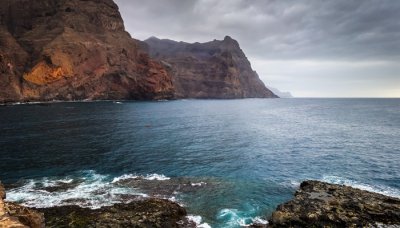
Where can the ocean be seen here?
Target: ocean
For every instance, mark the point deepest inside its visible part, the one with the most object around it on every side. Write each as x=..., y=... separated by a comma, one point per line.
x=228, y=162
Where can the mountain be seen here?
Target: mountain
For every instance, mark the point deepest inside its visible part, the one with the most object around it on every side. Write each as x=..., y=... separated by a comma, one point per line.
x=216, y=69
x=73, y=50
x=280, y=93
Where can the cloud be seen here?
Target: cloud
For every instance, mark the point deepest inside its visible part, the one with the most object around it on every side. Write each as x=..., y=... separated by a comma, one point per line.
x=340, y=31
x=305, y=29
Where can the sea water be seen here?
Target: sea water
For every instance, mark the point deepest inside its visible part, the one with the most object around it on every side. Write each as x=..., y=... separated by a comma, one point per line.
x=229, y=162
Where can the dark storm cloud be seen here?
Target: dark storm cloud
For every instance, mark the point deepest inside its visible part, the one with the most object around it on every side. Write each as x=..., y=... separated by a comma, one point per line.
x=305, y=29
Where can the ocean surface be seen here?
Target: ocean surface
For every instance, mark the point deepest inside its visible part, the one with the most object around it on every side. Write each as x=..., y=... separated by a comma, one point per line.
x=229, y=162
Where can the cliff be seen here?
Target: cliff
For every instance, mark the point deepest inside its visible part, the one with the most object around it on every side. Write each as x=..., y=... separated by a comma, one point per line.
x=73, y=50
x=319, y=204
x=216, y=69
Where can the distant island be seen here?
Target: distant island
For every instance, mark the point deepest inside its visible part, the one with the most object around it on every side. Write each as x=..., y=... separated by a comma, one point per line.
x=280, y=93
x=79, y=50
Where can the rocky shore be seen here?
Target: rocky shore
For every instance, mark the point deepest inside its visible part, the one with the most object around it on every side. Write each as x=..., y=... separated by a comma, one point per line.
x=143, y=213
x=319, y=204
x=150, y=212
x=316, y=204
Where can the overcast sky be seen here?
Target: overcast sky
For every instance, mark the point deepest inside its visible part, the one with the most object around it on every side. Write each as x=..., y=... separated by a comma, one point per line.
x=311, y=48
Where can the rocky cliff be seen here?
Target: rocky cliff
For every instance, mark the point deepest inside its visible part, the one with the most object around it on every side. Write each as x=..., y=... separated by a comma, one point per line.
x=73, y=50
x=216, y=69
x=319, y=204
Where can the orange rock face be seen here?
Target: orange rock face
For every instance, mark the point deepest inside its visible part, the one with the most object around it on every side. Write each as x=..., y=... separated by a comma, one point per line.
x=73, y=50
x=43, y=74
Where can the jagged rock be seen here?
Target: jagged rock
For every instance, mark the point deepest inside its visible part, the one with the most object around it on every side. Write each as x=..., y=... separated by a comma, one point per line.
x=144, y=213
x=216, y=69
x=319, y=204
x=16, y=216
x=73, y=50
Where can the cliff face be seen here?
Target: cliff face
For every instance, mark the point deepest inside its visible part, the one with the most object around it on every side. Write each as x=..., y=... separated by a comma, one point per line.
x=216, y=69
x=73, y=50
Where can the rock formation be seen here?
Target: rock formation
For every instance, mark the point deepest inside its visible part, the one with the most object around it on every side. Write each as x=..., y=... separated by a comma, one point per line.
x=73, y=50
x=146, y=213
x=138, y=213
x=318, y=204
x=216, y=69
x=16, y=216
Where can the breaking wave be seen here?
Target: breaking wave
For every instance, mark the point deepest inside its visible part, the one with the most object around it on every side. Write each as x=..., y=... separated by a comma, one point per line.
x=236, y=218
x=91, y=190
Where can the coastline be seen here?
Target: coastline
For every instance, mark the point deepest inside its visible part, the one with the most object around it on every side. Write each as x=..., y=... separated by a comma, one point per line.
x=315, y=204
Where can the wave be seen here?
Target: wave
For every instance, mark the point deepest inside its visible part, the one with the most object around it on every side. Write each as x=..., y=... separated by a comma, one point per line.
x=153, y=176
x=384, y=190
x=196, y=219
x=91, y=190
x=235, y=218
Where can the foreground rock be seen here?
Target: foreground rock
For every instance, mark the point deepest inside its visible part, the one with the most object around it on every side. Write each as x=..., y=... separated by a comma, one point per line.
x=319, y=204
x=14, y=215
x=73, y=50
x=216, y=69
x=144, y=213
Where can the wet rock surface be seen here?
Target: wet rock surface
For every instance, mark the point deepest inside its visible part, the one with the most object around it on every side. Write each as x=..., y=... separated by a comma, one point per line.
x=319, y=204
x=73, y=50
x=142, y=213
x=14, y=215
x=215, y=69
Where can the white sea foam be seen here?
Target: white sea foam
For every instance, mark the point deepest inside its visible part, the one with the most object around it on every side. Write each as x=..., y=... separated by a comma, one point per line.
x=235, y=218
x=258, y=220
x=153, y=176
x=198, y=184
x=198, y=221
x=124, y=177
x=384, y=190
x=92, y=191
x=156, y=177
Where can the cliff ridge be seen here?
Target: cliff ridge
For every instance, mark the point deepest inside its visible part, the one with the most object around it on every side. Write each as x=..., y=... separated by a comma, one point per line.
x=73, y=50
x=215, y=69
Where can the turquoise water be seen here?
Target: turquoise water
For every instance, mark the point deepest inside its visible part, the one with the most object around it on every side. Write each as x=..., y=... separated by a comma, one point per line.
x=229, y=161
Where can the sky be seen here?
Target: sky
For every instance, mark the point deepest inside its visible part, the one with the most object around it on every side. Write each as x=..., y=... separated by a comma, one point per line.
x=311, y=48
